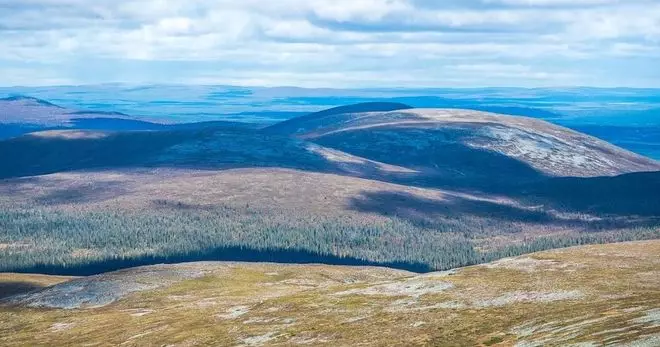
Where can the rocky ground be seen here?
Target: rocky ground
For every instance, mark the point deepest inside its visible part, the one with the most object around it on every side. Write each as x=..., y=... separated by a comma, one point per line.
x=585, y=296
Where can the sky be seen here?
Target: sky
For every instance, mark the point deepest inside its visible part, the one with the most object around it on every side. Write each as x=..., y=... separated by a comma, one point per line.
x=331, y=43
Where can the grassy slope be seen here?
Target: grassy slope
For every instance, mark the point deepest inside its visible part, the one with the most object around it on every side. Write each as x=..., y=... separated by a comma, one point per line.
x=593, y=294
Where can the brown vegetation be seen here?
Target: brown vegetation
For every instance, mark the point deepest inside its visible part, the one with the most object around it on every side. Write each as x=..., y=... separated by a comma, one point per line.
x=587, y=295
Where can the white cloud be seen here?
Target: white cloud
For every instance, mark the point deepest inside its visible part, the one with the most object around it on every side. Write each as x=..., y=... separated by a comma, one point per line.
x=350, y=10
x=294, y=40
x=553, y=2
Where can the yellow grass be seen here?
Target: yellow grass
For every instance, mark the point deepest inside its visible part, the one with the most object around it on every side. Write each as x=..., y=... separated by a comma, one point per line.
x=594, y=294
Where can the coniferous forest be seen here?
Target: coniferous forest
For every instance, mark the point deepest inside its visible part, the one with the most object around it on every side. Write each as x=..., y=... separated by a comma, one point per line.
x=86, y=242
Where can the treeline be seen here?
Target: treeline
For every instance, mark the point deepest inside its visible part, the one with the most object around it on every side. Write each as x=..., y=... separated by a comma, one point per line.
x=35, y=238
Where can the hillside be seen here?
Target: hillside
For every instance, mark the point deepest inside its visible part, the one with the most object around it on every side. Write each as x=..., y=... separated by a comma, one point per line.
x=32, y=111
x=334, y=193
x=21, y=115
x=209, y=147
x=557, y=298
x=470, y=147
x=62, y=223
x=24, y=109
x=328, y=116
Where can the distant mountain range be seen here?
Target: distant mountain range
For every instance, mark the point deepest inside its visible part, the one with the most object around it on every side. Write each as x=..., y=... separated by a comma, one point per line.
x=21, y=115
x=268, y=106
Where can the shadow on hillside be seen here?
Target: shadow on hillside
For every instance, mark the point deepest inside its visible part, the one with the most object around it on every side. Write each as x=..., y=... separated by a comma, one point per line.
x=114, y=124
x=431, y=213
x=8, y=131
x=120, y=124
x=87, y=193
x=636, y=194
x=8, y=289
x=50, y=191
x=441, y=161
x=34, y=155
x=208, y=148
x=421, y=211
x=238, y=254
x=441, y=158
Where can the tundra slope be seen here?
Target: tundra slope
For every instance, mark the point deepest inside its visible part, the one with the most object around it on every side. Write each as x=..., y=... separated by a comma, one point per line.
x=457, y=143
x=557, y=298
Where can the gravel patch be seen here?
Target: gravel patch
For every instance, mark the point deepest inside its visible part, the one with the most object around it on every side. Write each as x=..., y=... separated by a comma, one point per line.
x=102, y=290
x=517, y=297
x=355, y=319
x=527, y=264
x=411, y=306
x=140, y=312
x=651, y=317
x=57, y=327
x=414, y=288
x=260, y=340
x=650, y=341
x=234, y=312
x=277, y=320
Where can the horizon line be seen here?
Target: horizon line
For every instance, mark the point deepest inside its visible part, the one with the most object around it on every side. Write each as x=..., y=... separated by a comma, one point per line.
x=134, y=85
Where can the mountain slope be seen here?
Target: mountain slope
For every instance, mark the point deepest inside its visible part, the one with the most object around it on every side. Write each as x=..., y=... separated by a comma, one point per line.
x=471, y=145
x=210, y=145
x=21, y=115
x=33, y=111
x=564, y=297
x=294, y=125
x=66, y=150
x=628, y=194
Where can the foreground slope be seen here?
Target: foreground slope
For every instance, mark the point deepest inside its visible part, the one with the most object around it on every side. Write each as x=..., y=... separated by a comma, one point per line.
x=565, y=297
x=469, y=146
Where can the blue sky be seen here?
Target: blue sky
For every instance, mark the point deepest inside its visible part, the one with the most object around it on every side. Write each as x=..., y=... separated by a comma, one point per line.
x=331, y=43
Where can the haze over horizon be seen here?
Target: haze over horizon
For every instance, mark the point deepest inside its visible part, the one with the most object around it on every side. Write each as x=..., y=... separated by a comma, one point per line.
x=335, y=44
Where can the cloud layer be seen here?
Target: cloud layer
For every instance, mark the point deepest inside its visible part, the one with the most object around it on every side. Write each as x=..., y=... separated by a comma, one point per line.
x=336, y=43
